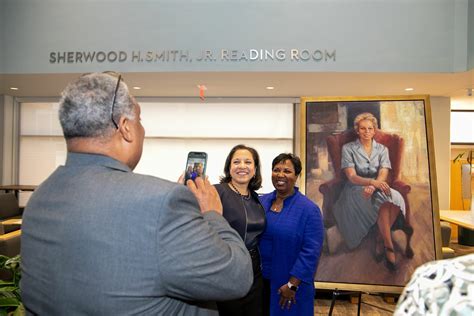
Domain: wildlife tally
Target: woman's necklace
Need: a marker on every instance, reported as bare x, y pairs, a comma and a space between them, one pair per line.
237, 190
276, 207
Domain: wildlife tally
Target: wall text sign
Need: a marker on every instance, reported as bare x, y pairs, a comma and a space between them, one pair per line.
186, 56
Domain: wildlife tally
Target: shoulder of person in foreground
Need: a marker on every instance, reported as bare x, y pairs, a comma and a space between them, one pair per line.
201, 256
440, 287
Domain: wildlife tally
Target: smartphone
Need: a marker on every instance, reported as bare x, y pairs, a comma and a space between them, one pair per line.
195, 165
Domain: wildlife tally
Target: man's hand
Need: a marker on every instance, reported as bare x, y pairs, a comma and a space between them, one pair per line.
206, 194
181, 179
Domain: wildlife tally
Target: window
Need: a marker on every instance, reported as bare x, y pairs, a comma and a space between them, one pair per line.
462, 127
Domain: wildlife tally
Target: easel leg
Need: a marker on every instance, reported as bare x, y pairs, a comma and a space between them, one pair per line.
360, 302
337, 293
334, 294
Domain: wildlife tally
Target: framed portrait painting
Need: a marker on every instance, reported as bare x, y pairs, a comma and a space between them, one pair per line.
369, 165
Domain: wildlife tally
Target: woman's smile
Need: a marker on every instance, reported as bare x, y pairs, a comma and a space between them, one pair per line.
284, 177
366, 130
242, 167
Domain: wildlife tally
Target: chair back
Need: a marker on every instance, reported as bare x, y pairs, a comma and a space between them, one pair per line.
9, 206
393, 142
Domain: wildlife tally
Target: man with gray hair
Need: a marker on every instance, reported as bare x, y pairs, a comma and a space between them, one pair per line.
99, 239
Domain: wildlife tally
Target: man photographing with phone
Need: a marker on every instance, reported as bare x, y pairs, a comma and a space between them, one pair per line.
99, 239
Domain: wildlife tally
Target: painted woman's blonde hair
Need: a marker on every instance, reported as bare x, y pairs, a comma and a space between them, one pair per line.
365, 116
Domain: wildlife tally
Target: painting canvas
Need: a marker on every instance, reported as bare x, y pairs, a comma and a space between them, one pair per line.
380, 225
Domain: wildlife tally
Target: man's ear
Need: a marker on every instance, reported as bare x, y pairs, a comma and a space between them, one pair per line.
125, 129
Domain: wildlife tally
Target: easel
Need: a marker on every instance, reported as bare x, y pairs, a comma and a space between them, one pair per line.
337, 293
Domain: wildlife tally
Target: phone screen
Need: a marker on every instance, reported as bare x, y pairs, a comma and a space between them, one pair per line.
195, 165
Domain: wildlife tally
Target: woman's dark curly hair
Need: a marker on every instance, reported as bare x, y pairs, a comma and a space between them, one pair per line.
256, 181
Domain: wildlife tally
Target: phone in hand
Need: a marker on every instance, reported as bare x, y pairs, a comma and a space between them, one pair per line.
195, 165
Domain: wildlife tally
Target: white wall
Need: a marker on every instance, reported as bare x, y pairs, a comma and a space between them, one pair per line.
172, 130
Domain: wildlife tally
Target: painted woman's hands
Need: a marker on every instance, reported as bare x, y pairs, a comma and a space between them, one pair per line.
381, 185
368, 191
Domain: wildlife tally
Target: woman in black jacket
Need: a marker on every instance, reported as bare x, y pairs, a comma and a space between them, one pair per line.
245, 214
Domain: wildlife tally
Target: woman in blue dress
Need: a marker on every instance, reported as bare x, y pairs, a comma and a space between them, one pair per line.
291, 243
366, 198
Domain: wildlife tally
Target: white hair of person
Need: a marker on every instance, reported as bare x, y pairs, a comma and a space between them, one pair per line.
85, 108
444, 287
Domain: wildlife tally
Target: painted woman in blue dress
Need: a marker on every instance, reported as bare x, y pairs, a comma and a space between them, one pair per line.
291, 243
366, 199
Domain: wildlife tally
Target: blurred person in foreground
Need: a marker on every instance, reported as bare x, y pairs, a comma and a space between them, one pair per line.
443, 287
291, 243
99, 239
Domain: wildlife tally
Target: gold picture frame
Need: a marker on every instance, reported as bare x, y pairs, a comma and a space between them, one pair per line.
406, 127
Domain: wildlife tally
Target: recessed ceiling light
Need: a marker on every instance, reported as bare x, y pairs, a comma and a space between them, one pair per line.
13, 88
409, 89
136, 88
270, 88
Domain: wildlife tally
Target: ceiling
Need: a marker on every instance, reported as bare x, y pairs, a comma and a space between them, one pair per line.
246, 84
